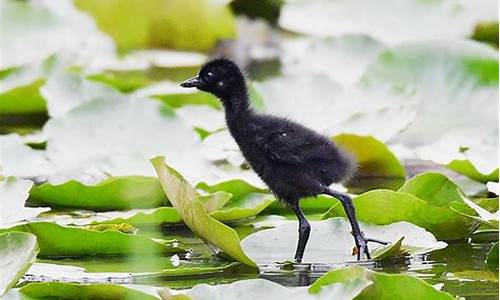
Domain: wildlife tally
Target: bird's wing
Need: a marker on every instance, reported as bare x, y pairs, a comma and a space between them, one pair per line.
289, 146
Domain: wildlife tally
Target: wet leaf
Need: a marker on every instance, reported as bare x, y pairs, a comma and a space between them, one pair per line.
395, 22
445, 77
492, 258
17, 252
423, 200
62, 290
185, 200
265, 290
332, 242
13, 195
384, 286
162, 24
375, 160
35, 33
114, 193
69, 241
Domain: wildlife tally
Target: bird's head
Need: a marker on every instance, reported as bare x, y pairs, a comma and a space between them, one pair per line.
220, 77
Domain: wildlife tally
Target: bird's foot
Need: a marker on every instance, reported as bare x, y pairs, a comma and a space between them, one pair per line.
361, 247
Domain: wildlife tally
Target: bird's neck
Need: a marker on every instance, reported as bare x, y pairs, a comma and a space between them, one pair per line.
237, 107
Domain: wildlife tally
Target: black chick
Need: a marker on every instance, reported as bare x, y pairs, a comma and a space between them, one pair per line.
294, 161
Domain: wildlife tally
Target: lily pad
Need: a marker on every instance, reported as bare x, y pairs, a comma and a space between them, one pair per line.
332, 242
357, 109
13, 195
162, 23
114, 193
344, 59
492, 258
392, 23
384, 286
246, 201
64, 91
185, 200
17, 252
445, 77
102, 138
466, 168
375, 160
481, 214
423, 200
35, 33
56, 240
265, 290
18, 159
62, 290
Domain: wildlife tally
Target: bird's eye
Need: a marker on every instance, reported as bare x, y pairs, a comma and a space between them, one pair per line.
210, 75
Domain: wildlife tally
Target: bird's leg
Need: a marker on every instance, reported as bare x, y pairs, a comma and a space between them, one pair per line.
359, 238
304, 231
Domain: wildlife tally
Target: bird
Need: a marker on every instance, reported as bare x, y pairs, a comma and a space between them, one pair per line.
292, 160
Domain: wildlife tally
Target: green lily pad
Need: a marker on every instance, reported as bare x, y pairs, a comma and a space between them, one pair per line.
389, 251
57, 240
423, 200
384, 286
114, 193
375, 160
332, 242
23, 99
246, 201
492, 258
17, 252
185, 200
482, 215
162, 23
466, 168
65, 290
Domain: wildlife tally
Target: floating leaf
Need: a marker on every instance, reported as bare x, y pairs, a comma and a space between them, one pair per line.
57, 240
185, 200
18, 159
265, 290
344, 59
17, 253
103, 138
423, 200
482, 215
375, 160
332, 242
357, 109
492, 258
392, 23
39, 29
466, 168
13, 195
64, 91
162, 23
65, 290
114, 193
389, 251
384, 286
445, 77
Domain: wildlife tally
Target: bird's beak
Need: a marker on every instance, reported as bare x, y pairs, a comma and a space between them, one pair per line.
192, 82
